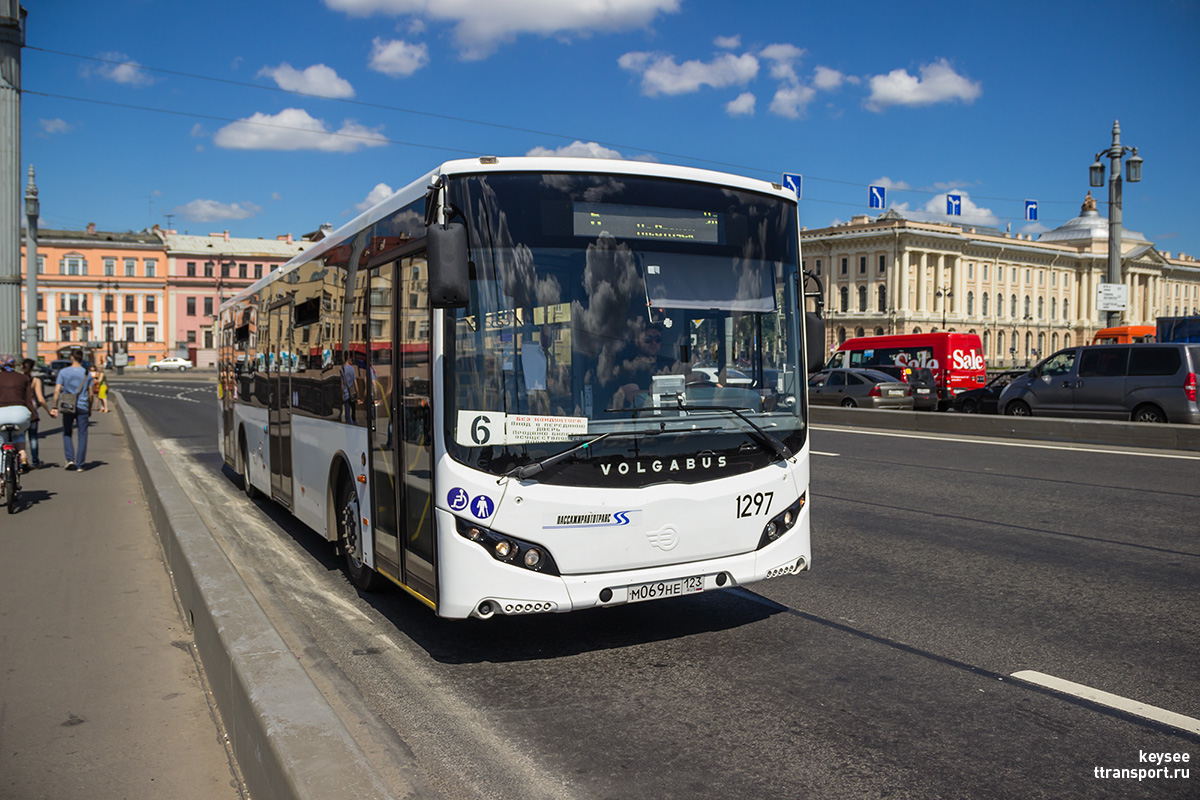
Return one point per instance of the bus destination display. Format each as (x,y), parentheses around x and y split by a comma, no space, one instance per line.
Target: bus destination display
(648,222)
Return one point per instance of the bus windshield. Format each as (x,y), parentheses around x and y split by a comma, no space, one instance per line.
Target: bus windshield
(636,306)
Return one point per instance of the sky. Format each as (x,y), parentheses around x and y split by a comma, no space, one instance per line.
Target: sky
(269,117)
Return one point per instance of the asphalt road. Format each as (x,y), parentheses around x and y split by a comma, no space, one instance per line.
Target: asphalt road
(941,567)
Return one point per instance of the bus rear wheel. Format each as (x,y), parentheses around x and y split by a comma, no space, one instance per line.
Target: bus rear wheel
(244,455)
(350,540)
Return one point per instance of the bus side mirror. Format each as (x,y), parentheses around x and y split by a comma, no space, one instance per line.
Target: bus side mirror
(449,268)
(814,337)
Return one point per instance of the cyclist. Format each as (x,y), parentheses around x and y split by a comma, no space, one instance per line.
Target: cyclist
(16,399)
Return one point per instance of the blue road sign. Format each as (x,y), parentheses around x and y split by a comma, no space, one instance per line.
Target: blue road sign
(954,205)
(1031,210)
(876,197)
(795,183)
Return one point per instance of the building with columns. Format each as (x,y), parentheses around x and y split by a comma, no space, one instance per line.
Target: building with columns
(1024,296)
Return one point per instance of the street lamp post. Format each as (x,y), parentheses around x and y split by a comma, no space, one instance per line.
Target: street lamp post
(1133,173)
(32,211)
(945,294)
(107,290)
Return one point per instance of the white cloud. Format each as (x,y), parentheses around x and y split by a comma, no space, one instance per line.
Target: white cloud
(52,126)
(396,58)
(830,80)
(294,129)
(377,195)
(935,211)
(481,25)
(741,106)
(888,183)
(213,211)
(577,149)
(939,83)
(317,80)
(662,75)
(728,42)
(783,58)
(119,68)
(1035,227)
(791,101)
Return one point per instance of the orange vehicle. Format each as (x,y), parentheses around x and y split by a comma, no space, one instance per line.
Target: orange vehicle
(1125,334)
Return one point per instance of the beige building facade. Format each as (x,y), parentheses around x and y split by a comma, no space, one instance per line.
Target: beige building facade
(1025,297)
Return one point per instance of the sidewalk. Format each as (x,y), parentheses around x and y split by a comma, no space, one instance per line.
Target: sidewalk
(100,696)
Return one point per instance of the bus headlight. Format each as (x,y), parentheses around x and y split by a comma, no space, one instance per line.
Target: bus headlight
(507,549)
(782,522)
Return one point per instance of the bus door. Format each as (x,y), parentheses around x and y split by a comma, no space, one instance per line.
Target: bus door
(401,423)
(279,410)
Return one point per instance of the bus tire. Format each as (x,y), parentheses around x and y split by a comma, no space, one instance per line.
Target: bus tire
(244,456)
(348,514)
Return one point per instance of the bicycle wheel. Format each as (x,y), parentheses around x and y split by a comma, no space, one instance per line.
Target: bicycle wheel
(10,486)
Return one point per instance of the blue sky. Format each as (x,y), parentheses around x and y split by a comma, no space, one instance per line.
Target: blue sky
(267,117)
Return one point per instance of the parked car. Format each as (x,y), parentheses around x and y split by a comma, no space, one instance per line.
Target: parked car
(50,374)
(1139,382)
(869,388)
(985,399)
(925,391)
(171,362)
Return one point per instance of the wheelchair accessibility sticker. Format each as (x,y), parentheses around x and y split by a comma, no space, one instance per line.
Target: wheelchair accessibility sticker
(481,506)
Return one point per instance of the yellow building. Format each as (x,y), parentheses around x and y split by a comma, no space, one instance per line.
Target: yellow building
(1024,296)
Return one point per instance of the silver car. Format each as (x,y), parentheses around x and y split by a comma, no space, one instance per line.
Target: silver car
(859,387)
(1139,382)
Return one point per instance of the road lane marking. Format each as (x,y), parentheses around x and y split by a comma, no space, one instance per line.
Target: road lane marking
(993,442)
(1160,715)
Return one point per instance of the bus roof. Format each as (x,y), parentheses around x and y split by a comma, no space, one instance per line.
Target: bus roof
(475,166)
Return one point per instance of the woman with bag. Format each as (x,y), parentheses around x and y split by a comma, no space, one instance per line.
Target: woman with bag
(73,400)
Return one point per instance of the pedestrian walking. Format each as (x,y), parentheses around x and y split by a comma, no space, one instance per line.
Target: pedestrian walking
(39,401)
(73,392)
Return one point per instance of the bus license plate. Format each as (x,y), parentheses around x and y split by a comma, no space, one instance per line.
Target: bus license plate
(653,591)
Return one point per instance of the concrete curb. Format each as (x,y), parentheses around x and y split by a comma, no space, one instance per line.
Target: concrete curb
(288,741)
(1044,429)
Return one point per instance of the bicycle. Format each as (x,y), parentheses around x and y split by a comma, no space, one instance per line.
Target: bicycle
(10,464)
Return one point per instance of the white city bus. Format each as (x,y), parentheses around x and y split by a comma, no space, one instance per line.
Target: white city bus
(503,388)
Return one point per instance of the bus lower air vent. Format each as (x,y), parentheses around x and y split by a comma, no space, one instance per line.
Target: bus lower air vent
(488,608)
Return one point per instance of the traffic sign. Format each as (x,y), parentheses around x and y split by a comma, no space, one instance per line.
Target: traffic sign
(877,197)
(954,205)
(795,183)
(1031,210)
(1112,297)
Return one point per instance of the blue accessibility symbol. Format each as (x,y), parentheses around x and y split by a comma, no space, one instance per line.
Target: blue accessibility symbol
(483,506)
(458,499)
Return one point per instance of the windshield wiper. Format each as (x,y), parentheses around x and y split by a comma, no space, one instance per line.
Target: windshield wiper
(529,470)
(768,442)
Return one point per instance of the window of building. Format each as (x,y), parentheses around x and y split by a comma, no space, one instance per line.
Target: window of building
(191,269)
(845,265)
(110,267)
(131,268)
(971,271)
(970,303)
(208,306)
(191,337)
(985,271)
(1041,277)
(191,306)
(1066,311)
(150,331)
(882,299)
(818,266)
(1053,308)
(41,265)
(108,333)
(1028,277)
(243,270)
(883,263)
(1014,276)
(844,306)
(72,265)
(983,306)
(1028,306)
(208,339)
(129,303)
(862,265)
(999,305)
(149,304)
(257,271)
(130,333)
(1014,305)
(151,267)
(208,269)
(109,304)
(1041,308)
(862,297)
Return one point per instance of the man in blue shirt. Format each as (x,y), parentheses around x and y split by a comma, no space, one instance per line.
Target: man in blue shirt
(77,381)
